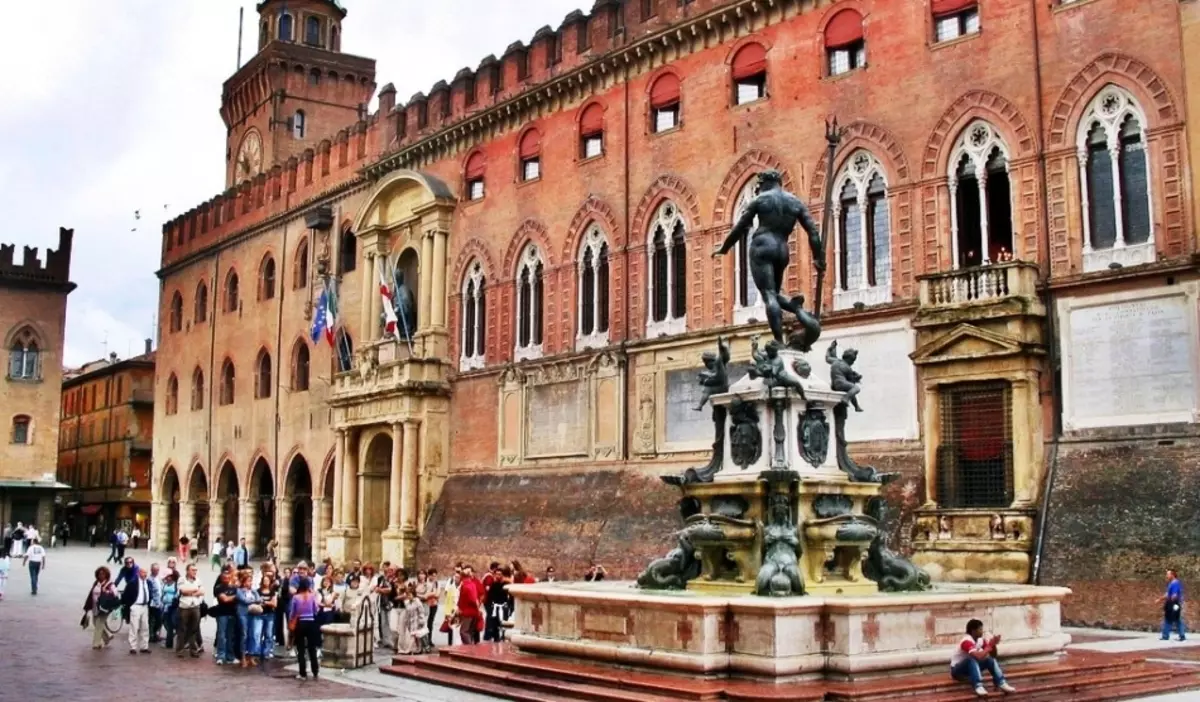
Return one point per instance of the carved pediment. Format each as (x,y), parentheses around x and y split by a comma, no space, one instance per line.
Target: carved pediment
(966,342)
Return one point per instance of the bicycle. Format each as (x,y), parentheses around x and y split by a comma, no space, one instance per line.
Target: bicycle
(114,621)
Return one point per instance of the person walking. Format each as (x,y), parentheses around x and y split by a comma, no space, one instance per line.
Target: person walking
(191,598)
(183,550)
(302,622)
(136,599)
(101,601)
(4,566)
(241,556)
(35,558)
(1172,603)
(122,542)
(470,598)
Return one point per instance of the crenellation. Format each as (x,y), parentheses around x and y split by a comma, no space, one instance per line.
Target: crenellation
(55,270)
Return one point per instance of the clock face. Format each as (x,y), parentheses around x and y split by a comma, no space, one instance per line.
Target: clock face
(249,158)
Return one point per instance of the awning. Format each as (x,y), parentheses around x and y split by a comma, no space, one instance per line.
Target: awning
(90,510)
(34,485)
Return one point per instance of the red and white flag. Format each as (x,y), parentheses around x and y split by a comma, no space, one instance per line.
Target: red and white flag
(389,313)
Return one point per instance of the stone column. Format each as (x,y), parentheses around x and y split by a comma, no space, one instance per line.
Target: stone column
(438,296)
(367,320)
(339,458)
(981,175)
(350,484)
(425,296)
(376,301)
(160,521)
(216,522)
(248,523)
(283,527)
(187,519)
(399,439)
(319,525)
(411,489)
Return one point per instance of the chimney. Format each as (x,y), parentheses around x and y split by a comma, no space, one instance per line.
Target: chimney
(148,342)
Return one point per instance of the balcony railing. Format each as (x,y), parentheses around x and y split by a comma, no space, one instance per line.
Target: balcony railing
(979,284)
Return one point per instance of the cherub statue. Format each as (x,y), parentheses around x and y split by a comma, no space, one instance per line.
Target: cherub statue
(715,379)
(770,367)
(843,378)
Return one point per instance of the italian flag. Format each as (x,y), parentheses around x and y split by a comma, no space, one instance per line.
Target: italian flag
(389,313)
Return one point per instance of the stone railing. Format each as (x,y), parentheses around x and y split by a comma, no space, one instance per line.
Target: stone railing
(980,284)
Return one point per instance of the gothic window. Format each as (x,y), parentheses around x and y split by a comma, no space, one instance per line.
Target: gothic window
(172,394)
(531,155)
(343,351)
(197,389)
(299,124)
(593,290)
(347,251)
(955,18)
(476,167)
(176,321)
(200,313)
(266,279)
(665,102)
(312,31)
(231,292)
(1115,188)
(668,273)
(474,318)
(747,306)
(845,47)
(227,381)
(863,240)
(262,375)
(981,211)
(300,366)
(20,429)
(975,448)
(749,74)
(24,356)
(285,27)
(591,132)
(300,266)
(530,304)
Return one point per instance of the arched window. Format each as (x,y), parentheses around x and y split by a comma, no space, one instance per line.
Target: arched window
(227,382)
(1114,167)
(314,76)
(312,31)
(266,279)
(300,366)
(262,375)
(21,433)
(593,290)
(335,40)
(591,131)
(862,242)
(343,351)
(668,273)
(264,34)
(200,313)
(231,292)
(298,125)
(300,266)
(665,103)
(845,48)
(24,356)
(749,70)
(981,215)
(474,318)
(172,394)
(347,251)
(530,300)
(954,18)
(197,389)
(176,322)
(476,167)
(285,27)
(531,155)
(747,306)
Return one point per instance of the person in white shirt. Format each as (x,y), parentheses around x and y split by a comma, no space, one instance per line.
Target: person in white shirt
(974,653)
(35,558)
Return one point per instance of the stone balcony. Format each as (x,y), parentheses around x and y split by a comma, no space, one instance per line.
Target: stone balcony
(385,369)
(994,290)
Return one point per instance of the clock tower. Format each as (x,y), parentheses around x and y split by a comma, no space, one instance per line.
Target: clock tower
(298,89)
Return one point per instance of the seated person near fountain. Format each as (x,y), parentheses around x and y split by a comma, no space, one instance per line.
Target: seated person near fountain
(975,653)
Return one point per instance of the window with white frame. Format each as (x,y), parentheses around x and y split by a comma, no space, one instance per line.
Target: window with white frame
(668,272)
(299,125)
(474,319)
(24,356)
(862,243)
(747,304)
(981,230)
(530,303)
(958,22)
(593,290)
(1114,181)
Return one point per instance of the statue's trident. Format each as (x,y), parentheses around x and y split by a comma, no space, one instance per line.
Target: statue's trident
(833,137)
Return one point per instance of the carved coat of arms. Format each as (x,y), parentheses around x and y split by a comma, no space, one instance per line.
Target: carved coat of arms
(814,437)
(745,438)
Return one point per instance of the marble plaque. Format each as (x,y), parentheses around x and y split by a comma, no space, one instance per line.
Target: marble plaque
(889,386)
(684,425)
(1131,362)
(557,420)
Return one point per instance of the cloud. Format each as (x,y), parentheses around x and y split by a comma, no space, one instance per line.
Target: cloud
(117,112)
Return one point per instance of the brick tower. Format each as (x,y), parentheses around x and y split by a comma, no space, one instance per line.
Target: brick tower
(298,89)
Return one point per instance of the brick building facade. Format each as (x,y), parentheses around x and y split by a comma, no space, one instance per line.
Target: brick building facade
(104,451)
(1013,217)
(33,314)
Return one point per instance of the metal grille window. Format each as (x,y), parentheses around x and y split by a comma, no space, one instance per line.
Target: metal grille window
(975,463)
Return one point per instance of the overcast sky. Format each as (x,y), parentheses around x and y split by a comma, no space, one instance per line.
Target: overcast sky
(111,107)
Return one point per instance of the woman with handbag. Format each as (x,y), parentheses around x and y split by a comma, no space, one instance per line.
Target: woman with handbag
(304,627)
(101,601)
(249,614)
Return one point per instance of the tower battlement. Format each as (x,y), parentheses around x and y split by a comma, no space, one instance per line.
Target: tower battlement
(56,270)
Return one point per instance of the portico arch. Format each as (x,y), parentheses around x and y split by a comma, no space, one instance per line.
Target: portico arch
(374,491)
(259,529)
(225,511)
(170,493)
(194,509)
(298,499)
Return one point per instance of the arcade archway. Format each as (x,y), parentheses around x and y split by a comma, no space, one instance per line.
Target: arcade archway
(226,517)
(298,491)
(262,499)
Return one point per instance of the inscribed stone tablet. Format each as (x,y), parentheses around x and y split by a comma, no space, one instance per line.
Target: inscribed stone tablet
(557,420)
(684,423)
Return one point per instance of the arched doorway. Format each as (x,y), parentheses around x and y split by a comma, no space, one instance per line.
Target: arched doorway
(373,495)
(198,497)
(171,493)
(262,492)
(298,491)
(228,494)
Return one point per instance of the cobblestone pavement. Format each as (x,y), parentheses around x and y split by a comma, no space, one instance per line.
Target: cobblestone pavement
(56,661)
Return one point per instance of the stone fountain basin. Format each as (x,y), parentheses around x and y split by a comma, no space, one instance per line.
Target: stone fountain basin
(782,639)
